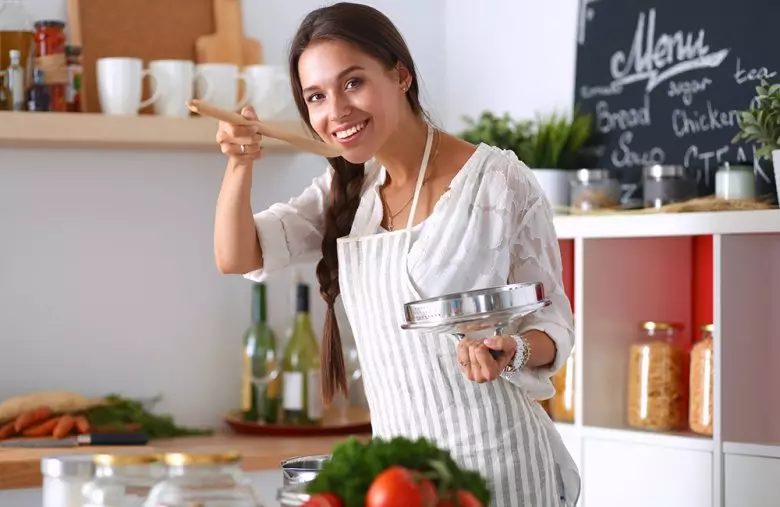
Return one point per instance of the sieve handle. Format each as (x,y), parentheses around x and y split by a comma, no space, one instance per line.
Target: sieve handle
(495,353)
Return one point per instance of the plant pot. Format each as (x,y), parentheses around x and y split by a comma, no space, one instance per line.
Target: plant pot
(556,184)
(776,164)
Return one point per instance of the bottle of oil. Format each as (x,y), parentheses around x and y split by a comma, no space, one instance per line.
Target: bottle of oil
(16,32)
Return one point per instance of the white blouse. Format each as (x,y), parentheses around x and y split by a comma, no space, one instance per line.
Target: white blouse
(493,226)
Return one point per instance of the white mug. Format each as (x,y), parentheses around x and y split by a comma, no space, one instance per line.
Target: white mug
(175,79)
(268,89)
(120,85)
(217,84)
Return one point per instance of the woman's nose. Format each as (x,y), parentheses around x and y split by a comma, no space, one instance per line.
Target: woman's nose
(339,108)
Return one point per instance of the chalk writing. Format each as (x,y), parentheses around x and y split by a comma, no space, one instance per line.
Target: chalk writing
(695,122)
(687,89)
(624,156)
(607,121)
(742,76)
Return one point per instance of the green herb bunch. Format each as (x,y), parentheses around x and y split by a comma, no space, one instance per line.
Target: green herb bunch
(354,465)
(500,131)
(761,121)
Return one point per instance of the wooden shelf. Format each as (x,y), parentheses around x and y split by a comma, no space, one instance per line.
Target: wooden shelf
(97,131)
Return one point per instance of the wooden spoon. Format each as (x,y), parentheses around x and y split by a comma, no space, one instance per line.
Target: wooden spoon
(297,140)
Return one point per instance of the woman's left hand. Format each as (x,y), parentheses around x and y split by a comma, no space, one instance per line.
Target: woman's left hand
(475,359)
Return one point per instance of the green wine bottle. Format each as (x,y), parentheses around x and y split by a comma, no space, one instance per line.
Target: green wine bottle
(260,381)
(302,399)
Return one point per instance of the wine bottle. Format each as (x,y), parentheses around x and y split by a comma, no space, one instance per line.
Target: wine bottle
(260,382)
(302,399)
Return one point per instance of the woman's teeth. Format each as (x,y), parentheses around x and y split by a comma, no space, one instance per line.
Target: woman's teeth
(343,134)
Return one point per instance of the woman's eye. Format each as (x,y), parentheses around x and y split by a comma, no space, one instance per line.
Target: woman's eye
(315,97)
(352,83)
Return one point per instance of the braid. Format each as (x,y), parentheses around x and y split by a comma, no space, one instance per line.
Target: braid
(345,193)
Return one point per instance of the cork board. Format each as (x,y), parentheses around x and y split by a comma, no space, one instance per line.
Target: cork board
(146,29)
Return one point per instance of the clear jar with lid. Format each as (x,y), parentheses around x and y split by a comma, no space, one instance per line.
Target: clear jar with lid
(665,184)
(64,477)
(735,182)
(700,414)
(657,380)
(562,402)
(123,480)
(205,480)
(594,189)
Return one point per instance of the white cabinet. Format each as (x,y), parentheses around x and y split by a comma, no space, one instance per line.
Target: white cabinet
(618,474)
(751,480)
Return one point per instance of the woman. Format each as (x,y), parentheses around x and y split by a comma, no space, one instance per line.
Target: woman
(408,212)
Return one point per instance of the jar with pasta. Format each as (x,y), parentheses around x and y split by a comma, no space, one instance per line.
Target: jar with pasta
(701,383)
(657,379)
(562,402)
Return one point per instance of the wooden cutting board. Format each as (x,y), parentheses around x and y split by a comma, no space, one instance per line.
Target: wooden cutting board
(228,43)
(145,29)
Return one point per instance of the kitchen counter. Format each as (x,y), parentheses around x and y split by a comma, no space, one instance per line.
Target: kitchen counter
(20,468)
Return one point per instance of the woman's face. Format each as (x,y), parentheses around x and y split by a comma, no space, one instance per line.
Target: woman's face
(354,101)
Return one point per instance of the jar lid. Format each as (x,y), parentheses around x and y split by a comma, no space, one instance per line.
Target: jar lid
(175,459)
(586,175)
(77,466)
(735,167)
(293,495)
(125,459)
(651,325)
(664,171)
(49,23)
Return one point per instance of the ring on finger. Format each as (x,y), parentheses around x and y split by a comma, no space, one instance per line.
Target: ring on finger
(465,364)
(243,149)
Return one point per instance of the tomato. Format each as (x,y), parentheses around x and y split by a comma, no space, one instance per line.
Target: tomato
(399,487)
(463,498)
(324,500)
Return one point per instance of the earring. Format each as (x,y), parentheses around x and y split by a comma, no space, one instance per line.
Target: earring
(404,87)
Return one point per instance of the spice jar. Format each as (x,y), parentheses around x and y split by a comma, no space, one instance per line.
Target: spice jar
(594,189)
(735,182)
(73,88)
(665,184)
(123,480)
(50,57)
(562,402)
(700,414)
(657,380)
(205,480)
(63,478)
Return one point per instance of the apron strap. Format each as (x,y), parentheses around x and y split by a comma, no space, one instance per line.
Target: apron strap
(420,178)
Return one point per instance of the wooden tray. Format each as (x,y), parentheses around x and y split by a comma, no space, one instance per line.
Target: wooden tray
(356,422)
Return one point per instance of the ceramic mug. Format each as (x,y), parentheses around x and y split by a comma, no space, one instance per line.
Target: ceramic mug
(120,85)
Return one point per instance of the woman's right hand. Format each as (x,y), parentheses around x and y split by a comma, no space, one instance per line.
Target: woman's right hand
(232,137)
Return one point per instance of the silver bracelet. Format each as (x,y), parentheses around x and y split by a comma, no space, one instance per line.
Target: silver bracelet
(521,356)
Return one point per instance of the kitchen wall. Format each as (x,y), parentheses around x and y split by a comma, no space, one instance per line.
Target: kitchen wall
(107,278)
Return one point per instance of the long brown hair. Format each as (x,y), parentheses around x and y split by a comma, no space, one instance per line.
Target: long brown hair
(373,33)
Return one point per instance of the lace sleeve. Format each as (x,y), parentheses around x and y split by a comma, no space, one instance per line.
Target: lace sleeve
(535,257)
(291,233)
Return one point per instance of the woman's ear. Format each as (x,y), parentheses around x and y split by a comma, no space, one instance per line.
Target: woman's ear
(404,76)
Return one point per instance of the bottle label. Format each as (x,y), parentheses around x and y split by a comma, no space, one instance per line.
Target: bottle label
(293,390)
(315,395)
(246,384)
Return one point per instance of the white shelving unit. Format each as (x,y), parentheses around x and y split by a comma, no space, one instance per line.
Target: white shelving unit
(632,268)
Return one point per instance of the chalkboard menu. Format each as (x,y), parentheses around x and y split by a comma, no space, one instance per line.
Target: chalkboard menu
(664,80)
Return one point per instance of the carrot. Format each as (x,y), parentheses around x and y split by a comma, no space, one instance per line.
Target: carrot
(31,418)
(7,431)
(64,426)
(82,423)
(43,429)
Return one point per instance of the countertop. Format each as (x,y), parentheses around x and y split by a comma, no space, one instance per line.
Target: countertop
(20,468)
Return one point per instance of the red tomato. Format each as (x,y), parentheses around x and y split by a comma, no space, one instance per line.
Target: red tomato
(323,500)
(463,498)
(398,487)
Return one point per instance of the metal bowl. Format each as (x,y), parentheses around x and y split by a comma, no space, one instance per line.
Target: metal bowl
(302,469)
(475,311)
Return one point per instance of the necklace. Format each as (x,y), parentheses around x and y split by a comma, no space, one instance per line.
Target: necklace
(390,215)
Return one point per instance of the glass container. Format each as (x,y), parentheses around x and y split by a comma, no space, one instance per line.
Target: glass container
(665,184)
(735,182)
(657,380)
(562,402)
(50,57)
(16,32)
(63,478)
(123,479)
(700,413)
(205,480)
(594,189)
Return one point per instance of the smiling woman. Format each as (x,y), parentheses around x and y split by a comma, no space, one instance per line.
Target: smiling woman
(474,217)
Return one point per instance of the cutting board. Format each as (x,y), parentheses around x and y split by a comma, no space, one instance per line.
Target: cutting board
(228,43)
(146,29)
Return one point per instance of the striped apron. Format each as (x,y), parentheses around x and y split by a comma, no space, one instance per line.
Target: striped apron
(415,388)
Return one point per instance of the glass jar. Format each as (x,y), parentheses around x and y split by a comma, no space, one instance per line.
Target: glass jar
(205,480)
(75,70)
(735,182)
(293,495)
(50,57)
(593,189)
(16,32)
(665,184)
(657,379)
(562,402)
(123,480)
(63,478)
(700,413)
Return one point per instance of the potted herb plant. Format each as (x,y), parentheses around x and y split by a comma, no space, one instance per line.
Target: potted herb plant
(500,131)
(760,123)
